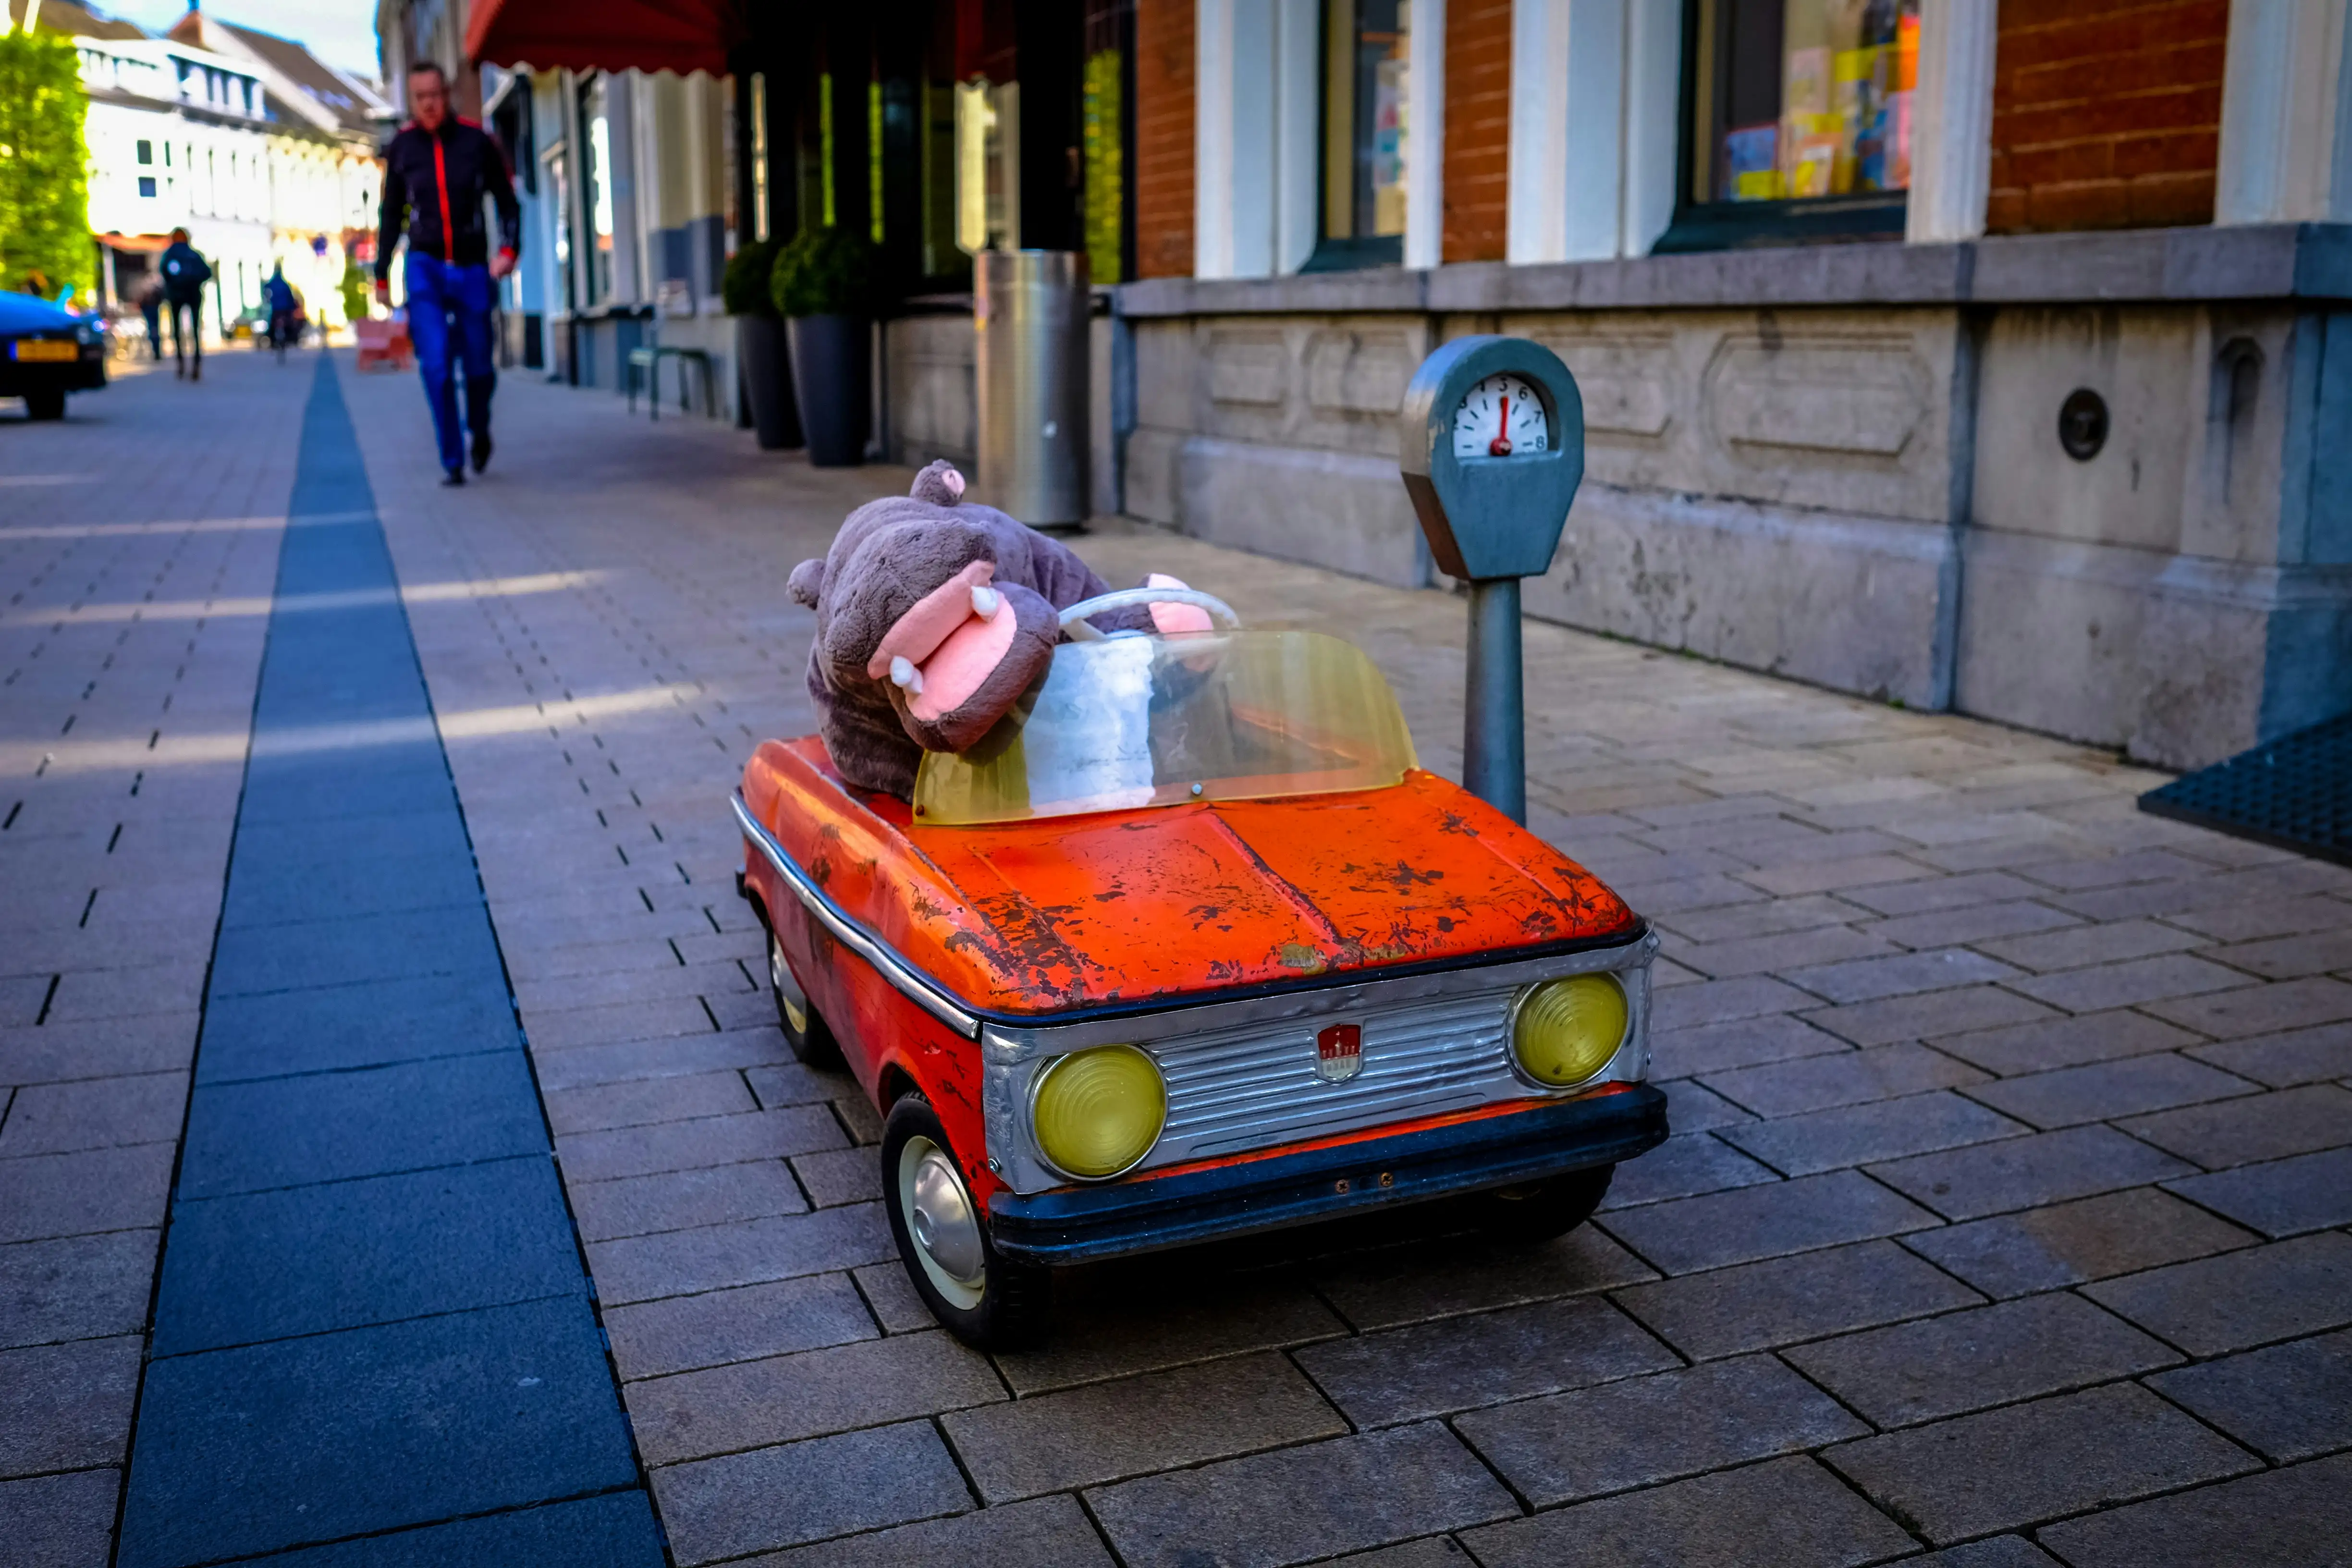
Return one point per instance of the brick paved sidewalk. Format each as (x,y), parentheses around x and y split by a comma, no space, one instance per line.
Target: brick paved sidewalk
(2009,1199)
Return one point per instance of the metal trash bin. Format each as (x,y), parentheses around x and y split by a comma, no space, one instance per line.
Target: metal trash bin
(1030,320)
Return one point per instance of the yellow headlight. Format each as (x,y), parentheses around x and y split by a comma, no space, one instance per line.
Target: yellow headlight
(1568,1029)
(1098,1111)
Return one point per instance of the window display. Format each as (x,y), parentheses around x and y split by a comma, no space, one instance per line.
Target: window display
(1802,99)
(1368,53)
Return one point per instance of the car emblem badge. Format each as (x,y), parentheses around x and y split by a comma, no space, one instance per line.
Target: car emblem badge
(1339,1053)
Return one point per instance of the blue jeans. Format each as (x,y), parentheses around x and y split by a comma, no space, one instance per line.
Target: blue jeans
(446,301)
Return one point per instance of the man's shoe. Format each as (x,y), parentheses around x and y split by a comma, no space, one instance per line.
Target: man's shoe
(453,476)
(481,450)
(197,374)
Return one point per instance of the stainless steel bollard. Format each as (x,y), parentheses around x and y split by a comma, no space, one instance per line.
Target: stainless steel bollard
(1030,319)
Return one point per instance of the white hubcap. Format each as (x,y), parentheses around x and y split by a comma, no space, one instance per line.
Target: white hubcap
(788,991)
(939,1218)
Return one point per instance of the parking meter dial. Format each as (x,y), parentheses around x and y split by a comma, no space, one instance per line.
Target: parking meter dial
(1501,416)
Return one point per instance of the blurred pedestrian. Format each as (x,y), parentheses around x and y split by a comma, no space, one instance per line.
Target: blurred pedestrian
(437,172)
(149,295)
(185,273)
(285,311)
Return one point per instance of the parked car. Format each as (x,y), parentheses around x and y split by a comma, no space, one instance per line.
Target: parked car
(250,325)
(1190,946)
(46,352)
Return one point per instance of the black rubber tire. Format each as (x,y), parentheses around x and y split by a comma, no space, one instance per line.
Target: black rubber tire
(1016,1301)
(813,1044)
(1540,1211)
(46,403)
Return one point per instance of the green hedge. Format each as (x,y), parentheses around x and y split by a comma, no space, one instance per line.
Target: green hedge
(825,272)
(745,286)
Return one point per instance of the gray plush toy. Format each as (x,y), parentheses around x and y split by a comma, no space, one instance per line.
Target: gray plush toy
(933,615)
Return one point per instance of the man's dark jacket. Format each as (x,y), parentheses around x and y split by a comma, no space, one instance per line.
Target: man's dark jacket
(185,273)
(433,187)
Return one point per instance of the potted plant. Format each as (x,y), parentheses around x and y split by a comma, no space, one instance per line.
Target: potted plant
(823,286)
(760,343)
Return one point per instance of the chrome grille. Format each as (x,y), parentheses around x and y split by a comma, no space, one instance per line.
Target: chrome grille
(1252,1084)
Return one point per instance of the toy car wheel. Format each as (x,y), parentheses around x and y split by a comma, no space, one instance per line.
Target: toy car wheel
(1539,1211)
(812,1042)
(984,1299)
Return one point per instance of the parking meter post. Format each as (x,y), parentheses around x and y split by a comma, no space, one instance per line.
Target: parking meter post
(1494,730)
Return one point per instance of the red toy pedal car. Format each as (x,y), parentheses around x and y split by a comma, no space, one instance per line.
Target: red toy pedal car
(1186,947)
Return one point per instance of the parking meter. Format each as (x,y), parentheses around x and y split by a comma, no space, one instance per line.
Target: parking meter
(1491,446)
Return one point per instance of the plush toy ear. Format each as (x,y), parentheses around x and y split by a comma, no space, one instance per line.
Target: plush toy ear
(939,483)
(807,582)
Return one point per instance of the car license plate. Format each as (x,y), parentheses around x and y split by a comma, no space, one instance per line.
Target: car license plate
(46,348)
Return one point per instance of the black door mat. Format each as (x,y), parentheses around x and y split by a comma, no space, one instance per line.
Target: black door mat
(2295,793)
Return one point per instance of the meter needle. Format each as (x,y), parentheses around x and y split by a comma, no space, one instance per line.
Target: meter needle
(1500,447)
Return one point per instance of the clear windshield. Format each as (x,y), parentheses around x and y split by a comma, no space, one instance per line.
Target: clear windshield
(1145,721)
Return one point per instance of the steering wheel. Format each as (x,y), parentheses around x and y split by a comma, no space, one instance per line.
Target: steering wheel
(1076,625)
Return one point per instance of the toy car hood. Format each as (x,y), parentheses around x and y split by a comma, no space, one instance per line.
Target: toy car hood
(1171,903)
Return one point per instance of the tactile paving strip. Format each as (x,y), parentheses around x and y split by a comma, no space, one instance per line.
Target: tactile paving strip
(2295,793)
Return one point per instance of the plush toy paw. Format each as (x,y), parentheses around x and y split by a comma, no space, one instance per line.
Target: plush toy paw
(963,655)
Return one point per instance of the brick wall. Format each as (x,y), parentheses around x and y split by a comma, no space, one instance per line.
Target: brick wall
(1165,57)
(1478,129)
(2105,113)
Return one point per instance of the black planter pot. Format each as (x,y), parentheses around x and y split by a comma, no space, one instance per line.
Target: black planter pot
(768,381)
(833,377)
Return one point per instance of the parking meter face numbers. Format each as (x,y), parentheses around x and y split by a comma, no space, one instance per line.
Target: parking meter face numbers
(1501,416)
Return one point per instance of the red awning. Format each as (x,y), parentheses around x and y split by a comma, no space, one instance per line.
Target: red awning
(679,35)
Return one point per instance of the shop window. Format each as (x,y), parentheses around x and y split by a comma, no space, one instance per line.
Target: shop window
(1106,128)
(146,184)
(596,188)
(1796,120)
(146,152)
(1366,52)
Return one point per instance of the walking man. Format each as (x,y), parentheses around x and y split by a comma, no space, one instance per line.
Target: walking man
(437,172)
(283,316)
(150,296)
(185,273)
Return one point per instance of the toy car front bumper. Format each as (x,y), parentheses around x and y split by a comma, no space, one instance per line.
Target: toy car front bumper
(1079,1225)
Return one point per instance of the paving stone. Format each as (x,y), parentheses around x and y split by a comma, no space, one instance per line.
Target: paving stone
(103,1048)
(1785,952)
(1911,1372)
(1932,1014)
(2071,1243)
(1314,1501)
(2112,943)
(2259,918)
(67,1406)
(75,1287)
(2064,1042)
(2102,1091)
(2298,1518)
(1758,920)
(562,1069)
(2025,1463)
(1817,1083)
(72,1194)
(1835,875)
(2024,1172)
(401,1400)
(336,1028)
(2135,982)
(1681,1167)
(2282,1061)
(1788,1513)
(2260,1126)
(790,1083)
(1721,1001)
(2262,1009)
(2289,1402)
(622,1023)
(96,1114)
(1646,1430)
(1456,1364)
(1047,1532)
(1441,1277)
(303,1260)
(254,1135)
(1770,1221)
(676,1200)
(1431,1551)
(801,1492)
(2241,1299)
(639,1101)
(1973,923)
(1122,1330)
(1937,893)
(1999,1551)
(2284,1197)
(1856,1134)
(1109,1431)
(1781,1300)
(1692,1109)
(1898,975)
(1740,1042)
(890,1296)
(615,1531)
(60,1521)
(840,1176)
(2288,958)
(691,1145)
(865,1383)
(750,1322)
